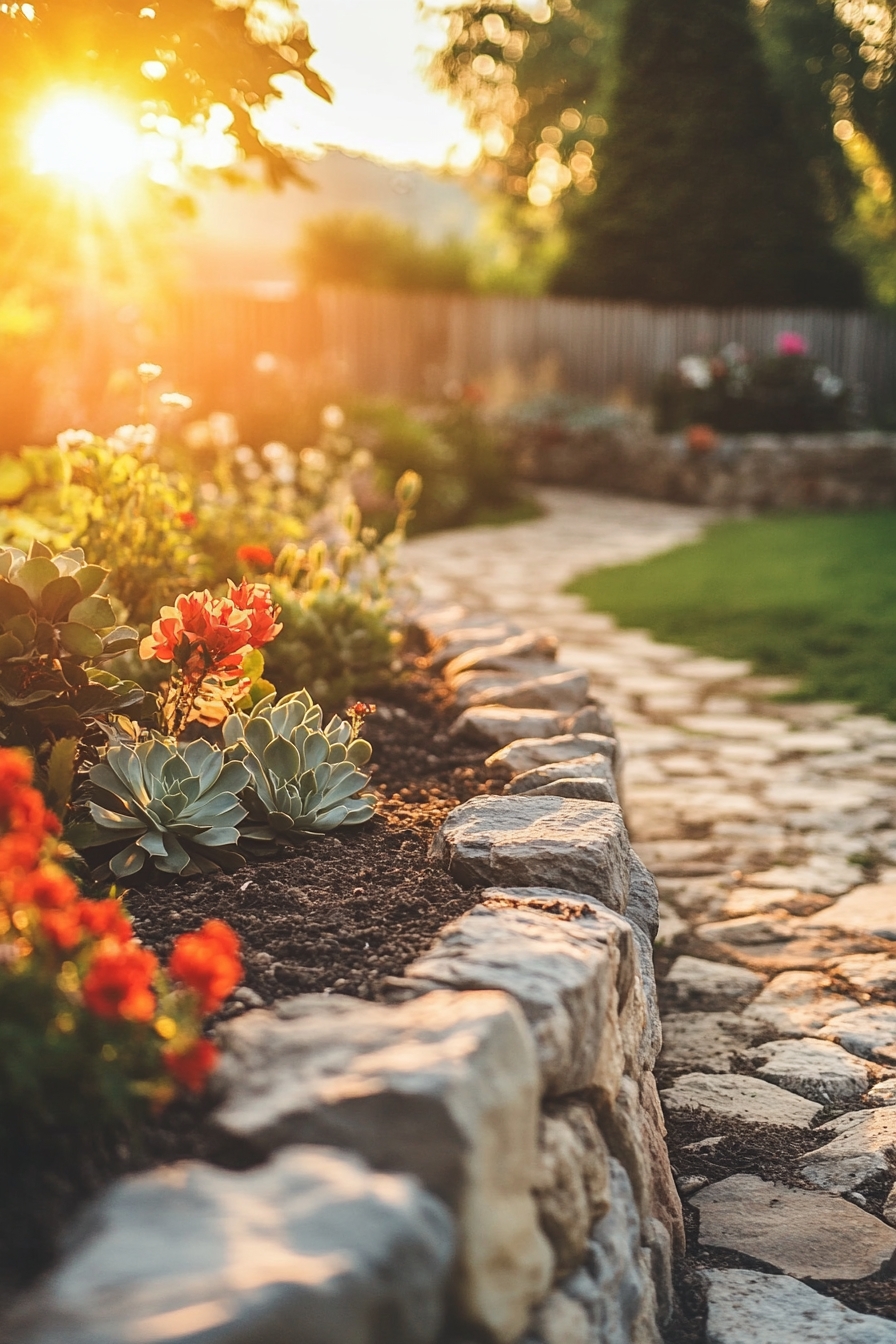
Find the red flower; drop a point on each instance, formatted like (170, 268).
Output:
(118, 984)
(49, 888)
(208, 963)
(187, 518)
(16, 772)
(105, 919)
(255, 600)
(200, 634)
(259, 557)
(192, 1066)
(63, 927)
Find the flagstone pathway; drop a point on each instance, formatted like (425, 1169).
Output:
(771, 830)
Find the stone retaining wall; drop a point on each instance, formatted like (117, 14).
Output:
(481, 1157)
(759, 471)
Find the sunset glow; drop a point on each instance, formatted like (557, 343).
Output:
(84, 139)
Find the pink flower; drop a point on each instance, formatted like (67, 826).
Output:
(791, 343)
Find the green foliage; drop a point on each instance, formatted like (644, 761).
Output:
(120, 507)
(807, 595)
(705, 197)
(777, 394)
(460, 458)
(176, 805)
(303, 777)
(54, 629)
(373, 251)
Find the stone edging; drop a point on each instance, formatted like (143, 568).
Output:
(491, 1138)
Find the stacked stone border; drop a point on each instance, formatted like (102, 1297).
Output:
(847, 469)
(481, 1158)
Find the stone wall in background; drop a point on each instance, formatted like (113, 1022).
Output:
(479, 1157)
(758, 471)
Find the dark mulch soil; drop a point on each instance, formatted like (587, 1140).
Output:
(336, 914)
(771, 1152)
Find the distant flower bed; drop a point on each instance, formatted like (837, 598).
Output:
(787, 392)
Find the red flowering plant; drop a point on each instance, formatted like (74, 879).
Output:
(91, 1027)
(213, 645)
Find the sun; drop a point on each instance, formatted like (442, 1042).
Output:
(84, 139)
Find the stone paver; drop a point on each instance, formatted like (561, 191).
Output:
(770, 829)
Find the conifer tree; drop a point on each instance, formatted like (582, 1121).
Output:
(704, 196)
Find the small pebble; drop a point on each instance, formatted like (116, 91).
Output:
(688, 1185)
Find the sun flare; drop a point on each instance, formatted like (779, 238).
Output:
(84, 138)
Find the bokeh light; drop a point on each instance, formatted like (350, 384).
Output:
(83, 138)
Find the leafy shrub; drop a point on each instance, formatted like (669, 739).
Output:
(91, 1029)
(787, 392)
(372, 250)
(338, 608)
(303, 777)
(55, 628)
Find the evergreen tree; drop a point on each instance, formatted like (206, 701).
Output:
(705, 196)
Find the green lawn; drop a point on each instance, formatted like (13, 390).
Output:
(812, 595)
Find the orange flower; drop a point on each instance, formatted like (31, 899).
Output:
(259, 557)
(207, 962)
(16, 771)
(105, 919)
(255, 600)
(201, 635)
(192, 1066)
(118, 984)
(48, 887)
(63, 927)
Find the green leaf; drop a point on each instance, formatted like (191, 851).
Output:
(10, 647)
(14, 600)
(359, 752)
(281, 759)
(58, 598)
(120, 640)
(95, 612)
(15, 480)
(253, 664)
(128, 862)
(23, 627)
(61, 773)
(90, 578)
(80, 640)
(39, 550)
(35, 575)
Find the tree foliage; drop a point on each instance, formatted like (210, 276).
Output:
(706, 196)
(212, 51)
(376, 252)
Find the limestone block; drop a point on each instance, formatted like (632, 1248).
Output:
(694, 983)
(819, 1070)
(643, 905)
(750, 930)
(863, 1146)
(633, 1127)
(530, 753)
(868, 973)
(731, 1096)
(548, 842)
(868, 909)
(651, 1042)
(563, 693)
(757, 900)
(535, 644)
(709, 1042)
(239, 1257)
(824, 873)
(869, 1032)
(591, 790)
(798, 1003)
(496, 726)
(882, 1094)
(561, 1320)
(623, 1309)
(593, 718)
(455, 642)
(889, 1209)
(597, 766)
(444, 1086)
(572, 1187)
(746, 1307)
(802, 1232)
(564, 972)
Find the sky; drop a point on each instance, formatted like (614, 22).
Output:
(374, 53)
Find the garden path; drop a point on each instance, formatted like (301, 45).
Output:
(771, 830)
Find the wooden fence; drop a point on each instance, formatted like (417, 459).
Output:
(411, 345)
